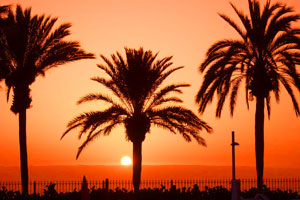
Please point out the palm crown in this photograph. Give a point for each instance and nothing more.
(29, 48)
(265, 56)
(138, 100)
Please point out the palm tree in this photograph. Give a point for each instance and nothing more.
(264, 58)
(31, 47)
(138, 101)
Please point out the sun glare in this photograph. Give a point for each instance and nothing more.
(126, 160)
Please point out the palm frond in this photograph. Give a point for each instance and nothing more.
(182, 119)
(110, 84)
(234, 25)
(109, 68)
(93, 120)
(86, 142)
(235, 86)
(163, 101)
(56, 36)
(164, 125)
(244, 19)
(268, 103)
(61, 53)
(277, 22)
(160, 77)
(95, 97)
(158, 97)
(288, 88)
(93, 135)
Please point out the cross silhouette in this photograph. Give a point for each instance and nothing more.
(233, 144)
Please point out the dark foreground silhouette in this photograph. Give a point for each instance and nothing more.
(216, 193)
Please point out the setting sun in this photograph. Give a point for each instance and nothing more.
(126, 160)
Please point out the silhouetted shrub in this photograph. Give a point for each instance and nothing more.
(194, 193)
(272, 194)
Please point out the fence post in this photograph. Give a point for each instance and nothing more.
(173, 187)
(106, 189)
(106, 185)
(85, 195)
(34, 187)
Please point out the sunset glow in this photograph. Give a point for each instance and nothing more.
(182, 29)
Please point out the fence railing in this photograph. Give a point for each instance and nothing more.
(38, 187)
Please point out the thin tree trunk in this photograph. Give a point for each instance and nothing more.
(259, 141)
(23, 151)
(137, 164)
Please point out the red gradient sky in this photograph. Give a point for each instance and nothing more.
(184, 29)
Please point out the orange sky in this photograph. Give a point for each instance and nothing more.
(184, 29)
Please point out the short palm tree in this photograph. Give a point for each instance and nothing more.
(138, 101)
(30, 47)
(264, 58)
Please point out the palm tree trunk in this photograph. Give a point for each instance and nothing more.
(137, 164)
(259, 141)
(23, 151)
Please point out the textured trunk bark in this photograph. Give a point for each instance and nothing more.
(23, 151)
(259, 141)
(137, 165)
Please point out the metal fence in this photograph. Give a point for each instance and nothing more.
(292, 184)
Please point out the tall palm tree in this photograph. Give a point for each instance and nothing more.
(264, 58)
(31, 47)
(138, 101)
